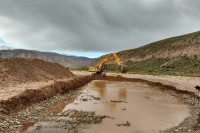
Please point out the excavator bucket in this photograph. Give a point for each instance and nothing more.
(124, 69)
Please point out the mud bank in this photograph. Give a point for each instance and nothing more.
(29, 97)
(150, 83)
(191, 123)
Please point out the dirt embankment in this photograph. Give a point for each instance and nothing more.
(31, 96)
(27, 81)
(19, 70)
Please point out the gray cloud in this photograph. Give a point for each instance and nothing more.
(103, 26)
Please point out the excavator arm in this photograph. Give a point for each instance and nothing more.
(99, 69)
(108, 58)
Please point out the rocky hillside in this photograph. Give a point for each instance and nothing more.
(67, 61)
(176, 56)
(186, 45)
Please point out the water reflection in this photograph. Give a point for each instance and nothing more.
(122, 94)
(105, 93)
(101, 88)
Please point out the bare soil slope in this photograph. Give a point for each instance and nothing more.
(27, 81)
(18, 70)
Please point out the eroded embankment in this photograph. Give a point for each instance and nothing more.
(29, 97)
(190, 98)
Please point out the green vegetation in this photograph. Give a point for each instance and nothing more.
(184, 66)
(84, 68)
(112, 68)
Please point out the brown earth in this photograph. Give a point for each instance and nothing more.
(27, 81)
(19, 70)
(31, 96)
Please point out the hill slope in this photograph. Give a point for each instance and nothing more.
(176, 56)
(188, 45)
(67, 61)
(19, 70)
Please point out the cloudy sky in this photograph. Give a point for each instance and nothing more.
(94, 27)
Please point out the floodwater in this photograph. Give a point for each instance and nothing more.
(147, 109)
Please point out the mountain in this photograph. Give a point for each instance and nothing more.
(185, 45)
(178, 55)
(5, 47)
(67, 61)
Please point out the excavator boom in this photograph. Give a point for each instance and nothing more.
(99, 69)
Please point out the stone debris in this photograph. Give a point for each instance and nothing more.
(118, 101)
(127, 124)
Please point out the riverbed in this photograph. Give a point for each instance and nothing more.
(128, 107)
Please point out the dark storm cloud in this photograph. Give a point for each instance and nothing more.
(91, 25)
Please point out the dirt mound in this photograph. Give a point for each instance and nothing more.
(19, 70)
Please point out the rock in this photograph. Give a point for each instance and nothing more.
(127, 124)
(84, 99)
(38, 127)
(117, 101)
(176, 130)
(96, 98)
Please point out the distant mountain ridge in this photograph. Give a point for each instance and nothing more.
(5, 47)
(65, 60)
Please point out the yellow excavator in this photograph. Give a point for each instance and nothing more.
(98, 70)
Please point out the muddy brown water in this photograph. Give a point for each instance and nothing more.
(147, 109)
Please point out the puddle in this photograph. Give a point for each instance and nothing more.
(131, 107)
